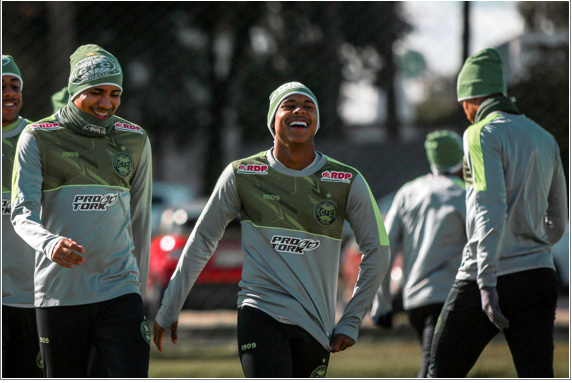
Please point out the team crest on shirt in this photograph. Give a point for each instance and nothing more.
(333, 176)
(252, 169)
(123, 164)
(326, 212)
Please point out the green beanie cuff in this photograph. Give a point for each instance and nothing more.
(91, 66)
(284, 91)
(444, 151)
(481, 75)
(9, 68)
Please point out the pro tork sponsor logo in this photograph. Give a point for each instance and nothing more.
(93, 202)
(293, 245)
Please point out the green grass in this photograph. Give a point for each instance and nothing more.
(369, 358)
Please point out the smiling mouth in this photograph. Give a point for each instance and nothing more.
(101, 114)
(9, 104)
(298, 124)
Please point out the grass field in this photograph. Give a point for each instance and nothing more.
(369, 358)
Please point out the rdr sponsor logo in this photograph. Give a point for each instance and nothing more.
(293, 245)
(128, 128)
(94, 202)
(252, 169)
(333, 176)
(46, 126)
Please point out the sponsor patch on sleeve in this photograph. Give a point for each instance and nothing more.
(46, 126)
(333, 176)
(252, 169)
(128, 128)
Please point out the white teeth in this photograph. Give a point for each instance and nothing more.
(300, 123)
(8, 104)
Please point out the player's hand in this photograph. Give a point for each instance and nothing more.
(159, 331)
(66, 253)
(490, 306)
(340, 342)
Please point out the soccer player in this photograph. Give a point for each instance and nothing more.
(516, 210)
(292, 202)
(427, 221)
(20, 344)
(82, 199)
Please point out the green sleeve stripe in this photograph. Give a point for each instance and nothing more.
(383, 238)
(289, 229)
(93, 185)
(476, 153)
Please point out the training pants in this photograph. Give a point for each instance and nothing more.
(116, 330)
(270, 349)
(527, 299)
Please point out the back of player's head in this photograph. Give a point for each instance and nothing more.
(444, 151)
(481, 75)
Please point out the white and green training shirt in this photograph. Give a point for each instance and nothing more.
(291, 235)
(516, 197)
(94, 190)
(17, 255)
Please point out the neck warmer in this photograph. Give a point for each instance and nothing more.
(82, 123)
(501, 104)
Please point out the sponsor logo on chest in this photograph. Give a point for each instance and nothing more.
(293, 245)
(94, 202)
(252, 169)
(6, 207)
(333, 176)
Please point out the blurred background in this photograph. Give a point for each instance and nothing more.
(197, 75)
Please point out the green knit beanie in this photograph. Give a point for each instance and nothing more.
(284, 91)
(444, 151)
(92, 65)
(481, 76)
(9, 68)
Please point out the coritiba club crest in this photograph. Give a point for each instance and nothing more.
(123, 164)
(93, 68)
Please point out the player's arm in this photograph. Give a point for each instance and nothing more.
(365, 220)
(557, 212)
(27, 206)
(222, 207)
(141, 196)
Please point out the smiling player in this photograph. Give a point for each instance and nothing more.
(292, 202)
(82, 200)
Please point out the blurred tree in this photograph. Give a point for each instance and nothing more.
(545, 16)
(381, 35)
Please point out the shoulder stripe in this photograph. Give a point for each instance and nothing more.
(476, 153)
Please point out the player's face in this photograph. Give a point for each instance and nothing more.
(11, 99)
(100, 101)
(296, 119)
(471, 107)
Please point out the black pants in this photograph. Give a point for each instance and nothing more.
(270, 349)
(20, 344)
(424, 319)
(527, 299)
(115, 330)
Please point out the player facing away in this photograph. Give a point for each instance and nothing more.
(21, 356)
(516, 210)
(292, 202)
(81, 198)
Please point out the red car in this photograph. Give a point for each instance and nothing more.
(217, 285)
